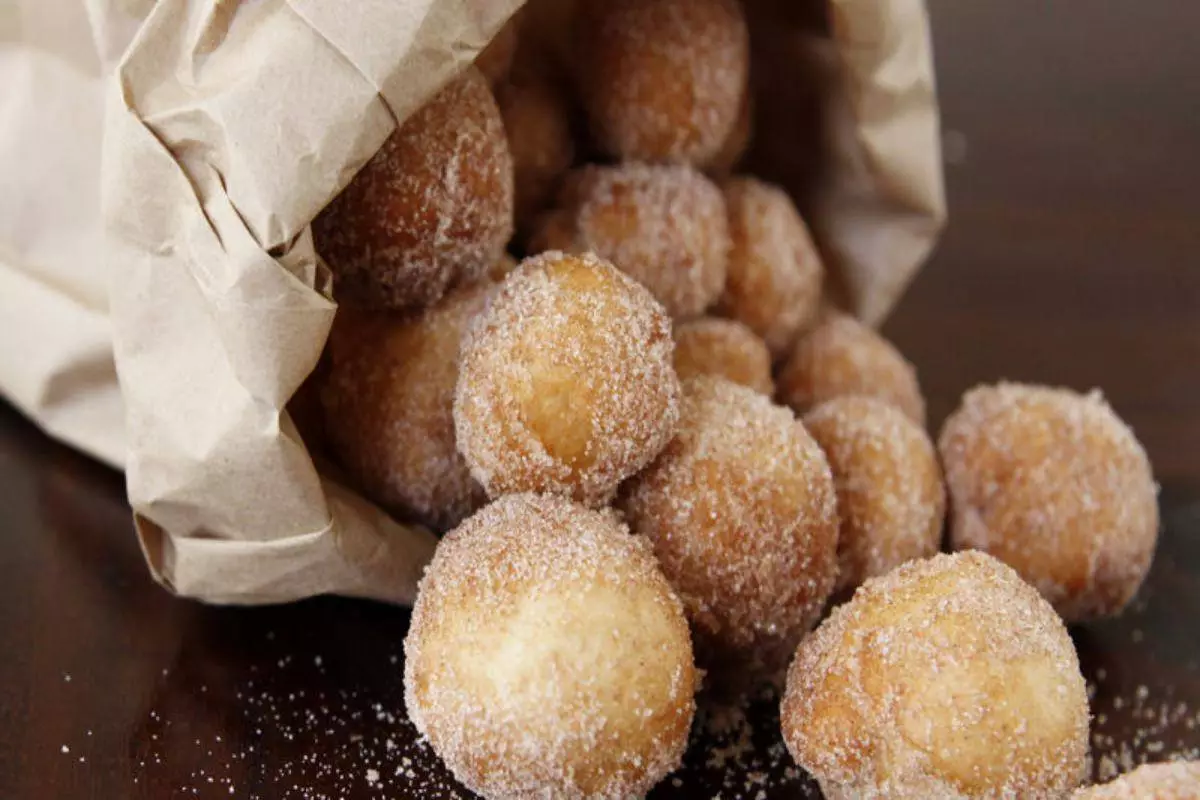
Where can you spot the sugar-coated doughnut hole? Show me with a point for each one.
(433, 206)
(775, 272)
(664, 225)
(736, 143)
(1054, 484)
(566, 383)
(662, 80)
(496, 60)
(538, 122)
(948, 677)
(548, 656)
(840, 357)
(389, 403)
(741, 510)
(1179, 780)
(723, 348)
(890, 498)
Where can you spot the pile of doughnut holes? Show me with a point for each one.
(666, 466)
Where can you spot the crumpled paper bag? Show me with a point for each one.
(227, 126)
(56, 359)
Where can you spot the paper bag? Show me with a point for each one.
(229, 126)
(56, 360)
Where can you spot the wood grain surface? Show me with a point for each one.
(1072, 257)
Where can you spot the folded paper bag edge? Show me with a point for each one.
(155, 296)
(219, 571)
(879, 221)
(355, 589)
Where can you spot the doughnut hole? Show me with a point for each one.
(740, 509)
(566, 384)
(662, 80)
(725, 349)
(389, 403)
(432, 207)
(548, 656)
(841, 357)
(1054, 484)
(890, 497)
(665, 226)
(948, 677)
(774, 273)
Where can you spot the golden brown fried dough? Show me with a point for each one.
(741, 509)
(949, 677)
(433, 207)
(548, 656)
(566, 383)
(662, 80)
(1052, 483)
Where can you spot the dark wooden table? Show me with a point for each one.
(1073, 257)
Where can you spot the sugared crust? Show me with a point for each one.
(566, 385)
(1179, 780)
(946, 678)
(548, 656)
(740, 508)
(662, 80)
(665, 226)
(891, 501)
(775, 272)
(389, 400)
(433, 206)
(1054, 484)
(723, 348)
(840, 357)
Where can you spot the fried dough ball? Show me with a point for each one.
(723, 348)
(548, 656)
(1179, 780)
(740, 508)
(840, 357)
(775, 272)
(662, 80)
(432, 207)
(496, 60)
(539, 136)
(566, 384)
(664, 225)
(736, 143)
(889, 486)
(1054, 484)
(946, 678)
(389, 406)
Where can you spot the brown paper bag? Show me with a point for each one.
(229, 125)
(56, 360)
